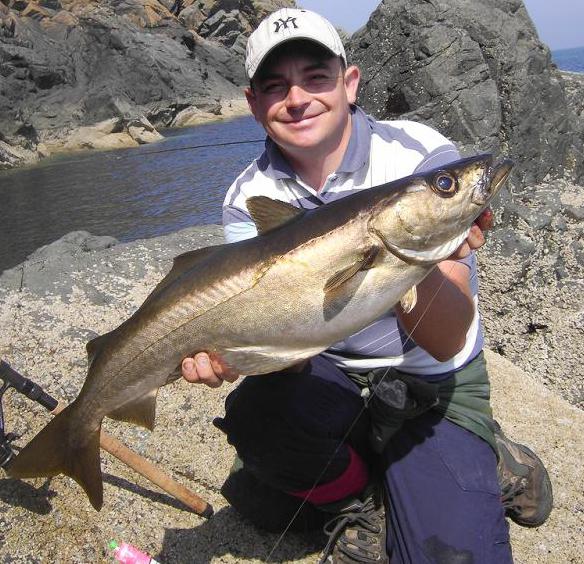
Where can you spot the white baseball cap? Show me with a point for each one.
(287, 24)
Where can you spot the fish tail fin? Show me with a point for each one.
(54, 451)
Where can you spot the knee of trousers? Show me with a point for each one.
(286, 427)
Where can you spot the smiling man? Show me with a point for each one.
(405, 480)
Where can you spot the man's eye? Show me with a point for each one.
(273, 87)
(318, 78)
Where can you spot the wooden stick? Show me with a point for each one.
(150, 472)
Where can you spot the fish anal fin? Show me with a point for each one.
(409, 300)
(269, 214)
(54, 451)
(364, 262)
(141, 411)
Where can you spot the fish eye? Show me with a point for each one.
(445, 184)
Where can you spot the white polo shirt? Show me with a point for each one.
(378, 152)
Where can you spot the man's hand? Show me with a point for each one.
(208, 370)
(476, 237)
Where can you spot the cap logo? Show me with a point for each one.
(283, 23)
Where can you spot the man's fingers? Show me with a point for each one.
(222, 370)
(198, 370)
(208, 370)
(476, 238)
(205, 371)
(189, 370)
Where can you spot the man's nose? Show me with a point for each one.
(297, 96)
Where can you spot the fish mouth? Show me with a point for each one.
(491, 181)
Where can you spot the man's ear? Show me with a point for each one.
(352, 78)
(251, 100)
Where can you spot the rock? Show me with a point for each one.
(478, 73)
(143, 135)
(66, 65)
(93, 138)
(143, 13)
(194, 116)
(11, 157)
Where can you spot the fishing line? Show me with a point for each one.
(188, 148)
(344, 438)
(83, 157)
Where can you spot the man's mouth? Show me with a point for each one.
(299, 120)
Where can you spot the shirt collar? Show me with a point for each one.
(357, 154)
(273, 163)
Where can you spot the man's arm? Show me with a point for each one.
(444, 311)
(445, 308)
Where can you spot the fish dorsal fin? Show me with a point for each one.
(363, 262)
(269, 214)
(94, 346)
(182, 263)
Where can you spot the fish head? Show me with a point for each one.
(428, 216)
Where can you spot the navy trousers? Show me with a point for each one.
(443, 497)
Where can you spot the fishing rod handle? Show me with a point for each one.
(26, 386)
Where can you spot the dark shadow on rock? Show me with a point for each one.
(226, 533)
(22, 494)
(152, 495)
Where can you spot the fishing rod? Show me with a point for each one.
(13, 379)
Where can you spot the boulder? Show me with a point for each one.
(11, 157)
(142, 131)
(477, 72)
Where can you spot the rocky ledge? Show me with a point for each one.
(80, 286)
(117, 69)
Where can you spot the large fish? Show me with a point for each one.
(310, 279)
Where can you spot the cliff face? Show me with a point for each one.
(474, 70)
(478, 73)
(69, 63)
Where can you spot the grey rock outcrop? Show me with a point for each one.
(71, 63)
(478, 73)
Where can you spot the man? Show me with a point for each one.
(313, 449)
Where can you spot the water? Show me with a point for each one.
(129, 194)
(569, 59)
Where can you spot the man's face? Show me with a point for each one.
(303, 101)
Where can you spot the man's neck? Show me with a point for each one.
(314, 167)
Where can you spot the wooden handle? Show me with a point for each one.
(150, 471)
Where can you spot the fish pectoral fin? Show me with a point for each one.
(140, 411)
(53, 451)
(269, 214)
(337, 294)
(364, 262)
(409, 300)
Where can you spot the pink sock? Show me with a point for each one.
(350, 482)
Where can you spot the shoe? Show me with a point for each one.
(357, 532)
(526, 489)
